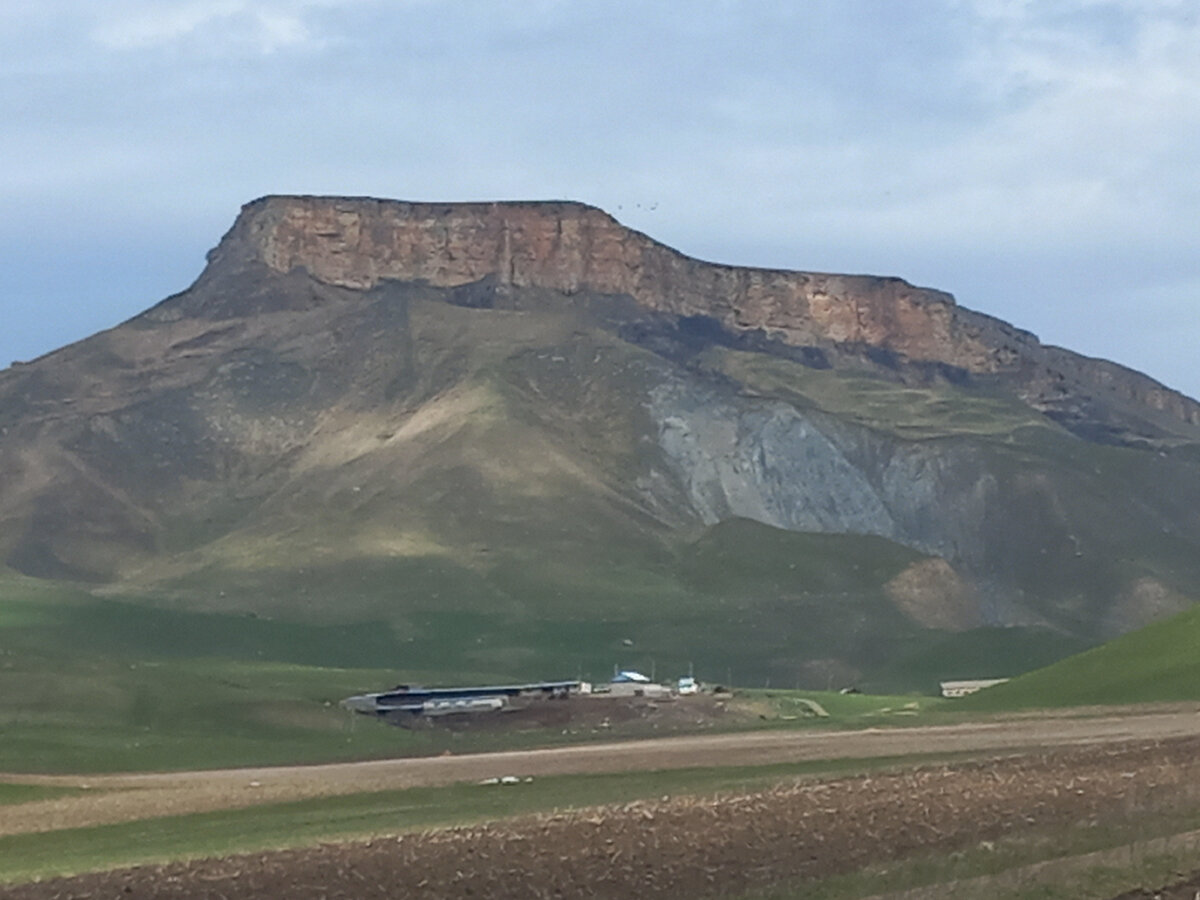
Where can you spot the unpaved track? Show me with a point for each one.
(687, 847)
(117, 798)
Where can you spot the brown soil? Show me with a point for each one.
(695, 847)
(1186, 889)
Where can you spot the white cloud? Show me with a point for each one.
(219, 25)
(1084, 134)
(952, 141)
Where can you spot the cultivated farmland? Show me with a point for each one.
(903, 817)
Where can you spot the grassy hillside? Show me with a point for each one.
(410, 490)
(937, 410)
(1158, 663)
(90, 683)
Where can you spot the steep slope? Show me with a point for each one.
(1155, 664)
(506, 431)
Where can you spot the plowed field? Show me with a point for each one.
(1188, 889)
(695, 847)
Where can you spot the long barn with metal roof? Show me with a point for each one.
(414, 699)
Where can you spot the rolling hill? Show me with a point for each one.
(1156, 664)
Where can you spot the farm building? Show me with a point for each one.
(446, 700)
(634, 684)
(962, 688)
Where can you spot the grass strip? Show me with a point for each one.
(11, 794)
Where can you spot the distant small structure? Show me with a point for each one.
(969, 686)
(812, 708)
(629, 675)
(461, 705)
(629, 683)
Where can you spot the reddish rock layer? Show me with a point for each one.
(569, 247)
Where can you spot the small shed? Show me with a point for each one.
(969, 686)
(630, 683)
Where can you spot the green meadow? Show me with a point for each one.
(1156, 664)
(90, 684)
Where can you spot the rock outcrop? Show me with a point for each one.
(571, 248)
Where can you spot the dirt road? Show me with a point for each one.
(116, 798)
(698, 847)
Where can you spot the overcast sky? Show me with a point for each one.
(1039, 160)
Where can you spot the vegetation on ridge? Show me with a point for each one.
(1156, 664)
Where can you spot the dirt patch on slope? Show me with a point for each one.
(932, 594)
(694, 847)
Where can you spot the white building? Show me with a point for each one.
(962, 688)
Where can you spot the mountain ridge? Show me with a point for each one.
(566, 246)
(360, 413)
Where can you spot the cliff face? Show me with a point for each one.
(569, 248)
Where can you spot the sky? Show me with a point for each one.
(1039, 160)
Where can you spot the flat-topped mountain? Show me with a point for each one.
(497, 249)
(532, 429)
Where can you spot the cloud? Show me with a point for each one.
(218, 25)
(953, 142)
(1082, 128)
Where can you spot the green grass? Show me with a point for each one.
(978, 653)
(780, 598)
(97, 716)
(1158, 663)
(28, 856)
(91, 684)
(910, 412)
(88, 715)
(11, 793)
(96, 685)
(742, 556)
(848, 710)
